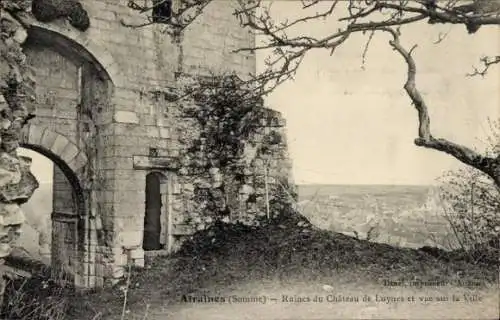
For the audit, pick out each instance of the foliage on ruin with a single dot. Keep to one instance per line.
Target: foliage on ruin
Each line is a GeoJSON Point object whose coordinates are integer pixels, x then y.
{"type": "Point", "coordinates": [230, 140]}
{"type": "Point", "coordinates": [228, 115]}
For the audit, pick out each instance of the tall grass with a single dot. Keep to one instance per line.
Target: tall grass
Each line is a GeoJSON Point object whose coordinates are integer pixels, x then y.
{"type": "Point", "coordinates": [35, 299]}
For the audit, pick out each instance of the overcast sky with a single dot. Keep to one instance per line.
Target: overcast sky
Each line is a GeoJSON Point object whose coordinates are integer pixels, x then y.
{"type": "Point", "coordinates": [352, 126]}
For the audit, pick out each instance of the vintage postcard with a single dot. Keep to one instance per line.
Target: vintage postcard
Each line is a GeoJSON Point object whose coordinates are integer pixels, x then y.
{"type": "Point", "coordinates": [249, 159]}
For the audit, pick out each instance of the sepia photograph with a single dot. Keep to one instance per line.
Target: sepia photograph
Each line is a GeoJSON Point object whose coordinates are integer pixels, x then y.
{"type": "Point", "coordinates": [249, 159]}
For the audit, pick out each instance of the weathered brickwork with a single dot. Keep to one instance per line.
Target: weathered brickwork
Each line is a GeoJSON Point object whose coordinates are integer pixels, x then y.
{"type": "Point", "coordinates": [103, 114]}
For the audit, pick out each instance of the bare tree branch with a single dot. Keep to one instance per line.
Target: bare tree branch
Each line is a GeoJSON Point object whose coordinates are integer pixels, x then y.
{"type": "Point", "coordinates": [442, 37]}
{"type": "Point", "coordinates": [363, 16]}
{"type": "Point", "coordinates": [371, 16]}
{"type": "Point", "coordinates": [425, 138]}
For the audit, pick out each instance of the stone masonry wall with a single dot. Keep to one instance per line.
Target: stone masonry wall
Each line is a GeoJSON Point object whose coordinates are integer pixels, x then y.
{"type": "Point", "coordinates": [243, 191]}
{"type": "Point", "coordinates": [149, 61]}
{"type": "Point", "coordinates": [68, 105]}
{"type": "Point", "coordinates": [207, 180]}
{"type": "Point", "coordinates": [106, 93]}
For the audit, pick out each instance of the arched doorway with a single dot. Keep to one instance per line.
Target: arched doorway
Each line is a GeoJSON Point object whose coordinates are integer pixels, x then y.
{"type": "Point", "coordinates": [154, 213]}
{"type": "Point", "coordinates": [74, 77]}
{"type": "Point", "coordinates": [54, 214]}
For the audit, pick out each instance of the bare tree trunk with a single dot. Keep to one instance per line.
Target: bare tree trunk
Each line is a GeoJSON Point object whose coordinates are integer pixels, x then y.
{"type": "Point", "coordinates": [488, 165]}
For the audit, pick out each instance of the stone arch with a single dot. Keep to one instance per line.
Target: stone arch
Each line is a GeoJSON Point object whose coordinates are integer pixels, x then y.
{"type": "Point", "coordinates": [54, 146]}
{"type": "Point", "coordinates": [62, 151]}
{"type": "Point", "coordinates": [82, 43]}
{"type": "Point", "coordinates": [68, 220]}
{"type": "Point", "coordinates": [88, 74]}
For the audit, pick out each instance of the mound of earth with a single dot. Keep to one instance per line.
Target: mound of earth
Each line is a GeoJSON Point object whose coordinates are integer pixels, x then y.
{"type": "Point", "coordinates": [293, 248]}
{"type": "Point", "coordinates": [289, 249]}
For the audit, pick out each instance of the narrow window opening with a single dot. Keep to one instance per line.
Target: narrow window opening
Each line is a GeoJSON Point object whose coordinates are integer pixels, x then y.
{"type": "Point", "coordinates": [152, 217]}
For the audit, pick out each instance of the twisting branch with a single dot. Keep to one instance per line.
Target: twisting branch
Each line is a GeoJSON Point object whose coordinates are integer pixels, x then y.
{"type": "Point", "coordinates": [287, 25]}
{"type": "Point", "coordinates": [363, 16]}
{"type": "Point", "coordinates": [425, 139]}
{"type": "Point", "coordinates": [368, 17]}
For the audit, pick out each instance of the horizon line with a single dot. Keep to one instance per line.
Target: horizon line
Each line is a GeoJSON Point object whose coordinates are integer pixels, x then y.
{"type": "Point", "coordinates": [366, 184]}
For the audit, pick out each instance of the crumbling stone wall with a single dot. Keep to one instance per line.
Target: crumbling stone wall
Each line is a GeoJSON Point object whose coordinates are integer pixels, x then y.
{"type": "Point", "coordinates": [17, 184]}
{"type": "Point", "coordinates": [63, 131]}
{"type": "Point", "coordinates": [116, 120]}
{"type": "Point", "coordinates": [233, 163]}
{"type": "Point", "coordinates": [150, 63]}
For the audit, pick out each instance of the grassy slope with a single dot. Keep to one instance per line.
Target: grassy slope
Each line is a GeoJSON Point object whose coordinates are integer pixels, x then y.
{"type": "Point", "coordinates": [224, 259]}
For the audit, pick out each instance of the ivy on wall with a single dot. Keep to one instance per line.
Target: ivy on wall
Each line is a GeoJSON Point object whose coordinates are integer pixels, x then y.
{"type": "Point", "coordinates": [226, 116]}
{"type": "Point", "coordinates": [232, 146]}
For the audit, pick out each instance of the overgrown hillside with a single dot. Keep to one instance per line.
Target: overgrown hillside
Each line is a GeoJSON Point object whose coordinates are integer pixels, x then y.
{"type": "Point", "coordinates": [229, 256]}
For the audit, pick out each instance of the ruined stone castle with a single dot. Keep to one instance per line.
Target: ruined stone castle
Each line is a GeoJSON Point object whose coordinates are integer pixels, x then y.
{"type": "Point", "coordinates": [106, 116]}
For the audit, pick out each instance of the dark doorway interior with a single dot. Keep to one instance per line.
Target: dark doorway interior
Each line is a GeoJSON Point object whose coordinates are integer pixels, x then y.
{"type": "Point", "coordinates": [152, 220]}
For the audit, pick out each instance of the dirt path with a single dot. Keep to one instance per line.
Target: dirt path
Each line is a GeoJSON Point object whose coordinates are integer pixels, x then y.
{"type": "Point", "coordinates": [245, 304]}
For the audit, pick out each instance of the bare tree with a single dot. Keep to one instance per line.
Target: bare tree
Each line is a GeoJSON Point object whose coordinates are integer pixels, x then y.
{"type": "Point", "coordinates": [362, 16]}
{"type": "Point", "coordinates": [375, 16]}
{"type": "Point", "coordinates": [368, 16]}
